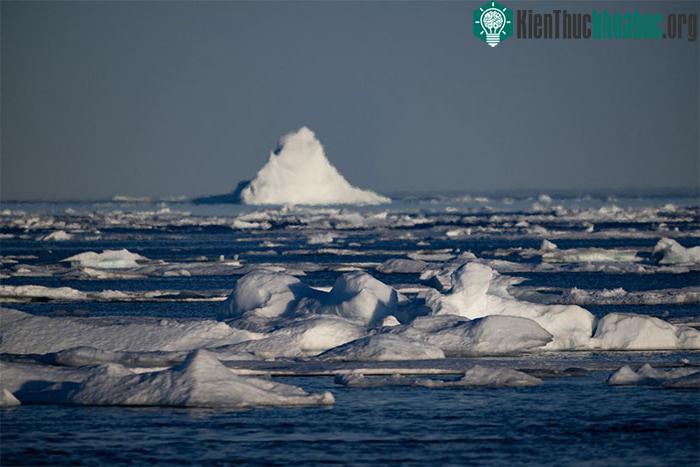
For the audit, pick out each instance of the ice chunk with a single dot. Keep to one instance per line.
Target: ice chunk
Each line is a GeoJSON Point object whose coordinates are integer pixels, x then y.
{"type": "Point", "coordinates": [320, 238]}
{"type": "Point", "coordinates": [38, 291]}
{"type": "Point", "coordinates": [547, 246]}
{"type": "Point", "coordinates": [359, 296]}
{"type": "Point", "coordinates": [24, 333]}
{"type": "Point", "coordinates": [301, 337]}
{"type": "Point", "coordinates": [589, 255]}
{"type": "Point", "coordinates": [477, 376]}
{"type": "Point", "coordinates": [383, 347]}
{"type": "Point", "coordinates": [670, 251]}
{"type": "Point", "coordinates": [468, 294]}
{"type": "Point", "coordinates": [402, 266]}
{"type": "Point", "coordinates": [200, 381]}
{"type": "Point", "coordinates": [487, 376]}
{"type": "Point", "coordinates": [491, 335]}
{"type": "Point", "coordinates": [618, 331]}
{"type": "Point", "coordinates": [266, 294]}
{"type": "Point", "coordinates": [692, 381]}
{"type": "Point", "coordinates": [475, 293]}
{"type": "Point", "coordinates": [56, 236]}
{"type": "Point", "coordinates": [298, 172]}
{"type": "Point", "coordinates": [647, 375]}
{"type": "Point", "coordinates": [7, 399]}
{"type": "Point", "coordinates": [108, 259]}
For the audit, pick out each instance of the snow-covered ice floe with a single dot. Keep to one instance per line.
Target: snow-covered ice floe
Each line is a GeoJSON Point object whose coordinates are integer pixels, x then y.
{"type": "Point", "coordinates": [476, 376]}
{"type": "Point", "coordinates": [271, 314]}
{"type": "Point", "coordinates": [199, 381]}
{"type": "Point", "coordinates": [680, 378]}
{"type": "Point", "coordinates": [108, 259]}
{"type": "Point", "coordinates": [669, 251]}
{"type": "Point", "coordinates": [298, 172]}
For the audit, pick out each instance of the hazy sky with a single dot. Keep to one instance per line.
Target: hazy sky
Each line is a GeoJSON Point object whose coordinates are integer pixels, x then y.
{"type": "Point", "coordinates": [160, 98]}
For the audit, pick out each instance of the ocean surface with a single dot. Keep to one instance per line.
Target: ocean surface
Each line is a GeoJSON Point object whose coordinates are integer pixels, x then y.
{"type": "Point", "coordinates": [197, 253]}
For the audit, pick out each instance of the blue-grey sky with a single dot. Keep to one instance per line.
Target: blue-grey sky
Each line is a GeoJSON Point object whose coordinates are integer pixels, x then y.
{"type": "Point", "coordinates": [180, 98]}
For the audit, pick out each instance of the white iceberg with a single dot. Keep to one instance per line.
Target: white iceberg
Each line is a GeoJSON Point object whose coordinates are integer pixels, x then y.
{"type": "Point", "coordinates": [298, 172]}
{"type": "Point", "coordinates": [670, 251]}
{"type": "Point", "coordinates": [108, 259]}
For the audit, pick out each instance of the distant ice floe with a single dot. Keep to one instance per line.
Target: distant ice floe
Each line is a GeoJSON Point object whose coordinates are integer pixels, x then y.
{"type": "Point", "coordinates": [476, 376]}
{"type": "Point", "coordinates": [108, 259]}
{"type": "Point", "coordinates": [299, 173]}
{"type": "Point", "coordinates": [552, 254]}
{"type": "Point", "coordinates": [678, 378]}
{"type": "Point", "coordinates": [56, 236]}
{"type": "Point", "coordinates": [669, 251]}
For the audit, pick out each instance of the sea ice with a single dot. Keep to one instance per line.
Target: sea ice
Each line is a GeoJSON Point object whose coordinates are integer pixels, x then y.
{"type": "Point", "coordinates": [383, 347]}
{"type": "Point", "coordinates": [490, 335]}
{"type": "Point", "coordinates": [23, 333]}
{"type": "Point", "coordinates": [108, 259]}
{"type": "Point", "coordinates": [670, 251]}
{"type": "Point", "coordinates": [622, 331]}
{"type": "Point", "coordinates": [476, 293]}
{"type": "Point", "coordinates": [647, 375]}
{"type": "Point", "coordinates": [199, 381]}
{"type": "Point", "coordinates": [56, 236]}
{"type": "Point", "coordinates": [298, 172]}
{"type": "Point", "coordinates": [265, 294]}
{"type": "Point", "coordinates": [487, 376]}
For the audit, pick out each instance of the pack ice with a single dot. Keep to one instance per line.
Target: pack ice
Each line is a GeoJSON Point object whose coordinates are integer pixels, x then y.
{"type": "Point", "coordinates": [201, 380]}
{"type": "Point", "coordinates": [298, 172]}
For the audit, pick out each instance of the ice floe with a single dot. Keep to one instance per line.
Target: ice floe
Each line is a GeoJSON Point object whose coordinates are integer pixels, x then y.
{"type": "Point", "coordinates": [669, 251]}
{"type": "Point", "coordinates": [199, 381]}
{"type": "Point", "coordinates": [383, 347]}
{"type": "Point", "coordinates": [23, 333]}
{"type": "Point", "coordinates": [476, 376]}
{"type": "Point", "coordinates": [108, 259]}
{"type": "Point", "coordinates": [622, 331]}
{"type": "Point", "coordinates": [684, 377]}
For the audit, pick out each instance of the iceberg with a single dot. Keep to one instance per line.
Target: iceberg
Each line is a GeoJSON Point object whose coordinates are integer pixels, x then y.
{"type": "Point", "coordinates": [298, 172]}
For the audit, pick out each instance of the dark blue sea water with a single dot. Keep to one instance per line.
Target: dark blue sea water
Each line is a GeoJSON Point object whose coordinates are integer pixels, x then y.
{"type": "Point", "coordinates": [568, 421]}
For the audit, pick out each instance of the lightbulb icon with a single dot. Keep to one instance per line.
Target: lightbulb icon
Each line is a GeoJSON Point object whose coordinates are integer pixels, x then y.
{"type": "Point", "coordinates": [492, 21]}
